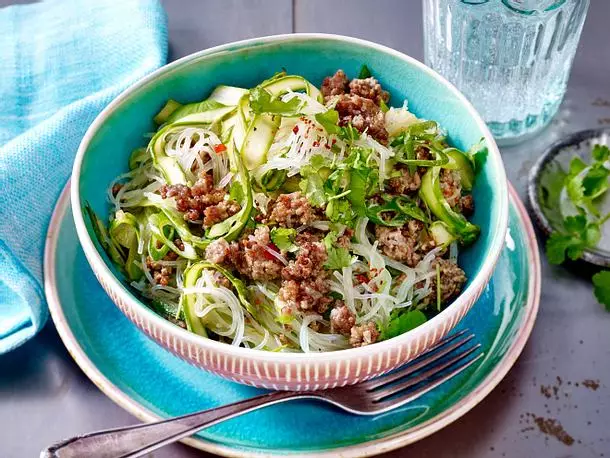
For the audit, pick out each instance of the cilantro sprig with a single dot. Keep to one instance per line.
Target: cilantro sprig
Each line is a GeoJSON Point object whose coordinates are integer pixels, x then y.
{"type": "Point", "coordinates": [583, 185]}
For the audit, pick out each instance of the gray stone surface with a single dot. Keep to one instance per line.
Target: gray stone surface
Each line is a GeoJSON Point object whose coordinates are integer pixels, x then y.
{"type": "Point", "coordinates": [44, 396]}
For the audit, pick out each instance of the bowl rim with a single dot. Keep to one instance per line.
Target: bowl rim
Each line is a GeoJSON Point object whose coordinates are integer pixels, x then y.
{"type": "Point", "coordinates": [99, 265]}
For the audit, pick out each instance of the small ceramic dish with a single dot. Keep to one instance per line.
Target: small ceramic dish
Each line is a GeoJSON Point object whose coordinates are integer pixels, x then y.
{"type": "Point", "coordinates": [545, 180]}
{"type": "Point", "coordinates": [119, 128]}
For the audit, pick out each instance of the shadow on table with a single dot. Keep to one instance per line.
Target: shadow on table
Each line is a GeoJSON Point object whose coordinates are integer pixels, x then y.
{"type": "Point", "coordinates": [40, 366]}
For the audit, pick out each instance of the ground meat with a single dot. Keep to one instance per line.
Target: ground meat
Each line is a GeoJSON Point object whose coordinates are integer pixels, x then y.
{"type": "Point", "coordinates": [363, 114]}
{"type": "Point", "coordinates": [364, 334]}
{"type": "Point", "coordinates": [406, 244]}
{"type": "Point", "coordinates": [305, 284]}
{"type": "Point", "coordinates": [307, 295]}
{"type": "Point", "coordinates": [451, 187]}
{"type": "Point", "coordinates": [250, 256]}
{"type": "Point", "coordinates": [309, 262]}
{"type": "Point", "coordinates": [406, 183]}
{"type": "Point", "coordinates": [162, 275]}
{"type": "Point", "coordinates": [369, 88]}
{"type": "Point", "coordinates": [334, 85]}
{"type": "Point", "coordinates": [290, 210]}
{"type": "Point", "coordinates": [217, 251]}
{"type": "Point", "coordinates": [179, 244]}
{"type": "Point", "coordinates": [467, 205]}
{"type": "Point", "coordinates": [345, 239]}
{"type": "Point", "coordinates": [341, 319]}
{"type": "Point", "coordinates": [219, 212]}
{"type": "Point", "coordinates": [308, 235]}
{"type": "Point", "coordinates": [192, 201]}
{"type": "Point", "coordinates": [452, 281]}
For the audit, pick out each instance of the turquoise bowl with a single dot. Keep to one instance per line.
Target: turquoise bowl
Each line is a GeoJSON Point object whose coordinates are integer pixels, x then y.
{"type": "Point", "coordinates": [122, 126]}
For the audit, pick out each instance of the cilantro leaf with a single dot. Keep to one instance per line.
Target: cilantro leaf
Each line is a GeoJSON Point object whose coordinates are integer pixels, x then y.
{"type": "Point", "coordinates": [329, 120]}
{"type": "Point", "coordinates": [338, 258]}
{"type": "Point", "coordinates": [402, 323]}
{"type": "Point", "coordinates": [577, 165]}
{"type": "Point", "coordinates": [313, 188]}
{"type": "Point", "coordinates": [601, 288]}
{"type": "Point", "coordinates": [576, 223]}
{"type": "Point", "coordinates": [283, 238]}
{"type": "Point", "coordinates": [578, 236]}
{"type": "Point", "coordinates": [364, 72]}
{"type": "Point", "coordinates": [595, 183]}
{"type": "Point", "coordinates": [261, 101]}
{"type": "Point", "coordinates": [600, 153]}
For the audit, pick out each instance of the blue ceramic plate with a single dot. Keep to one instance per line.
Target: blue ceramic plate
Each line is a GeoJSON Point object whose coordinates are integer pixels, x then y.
{"type": "Point", "coordinates": [145, 379]}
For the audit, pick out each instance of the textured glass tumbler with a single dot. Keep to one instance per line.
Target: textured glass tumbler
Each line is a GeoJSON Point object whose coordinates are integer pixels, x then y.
{"type": "Point", "coordinates": [511, 58]}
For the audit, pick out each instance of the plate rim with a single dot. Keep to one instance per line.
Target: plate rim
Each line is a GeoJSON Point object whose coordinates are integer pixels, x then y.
{"type": "Point", "coordinates": [364, 449]}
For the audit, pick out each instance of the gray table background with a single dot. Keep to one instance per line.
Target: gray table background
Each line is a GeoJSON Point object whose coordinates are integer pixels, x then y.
{"type": "Point", "coordinates": [45, 397]}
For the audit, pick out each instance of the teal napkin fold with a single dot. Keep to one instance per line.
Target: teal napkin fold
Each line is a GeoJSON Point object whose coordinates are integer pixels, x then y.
{"type": "Point", "coordinates": [61, 63]}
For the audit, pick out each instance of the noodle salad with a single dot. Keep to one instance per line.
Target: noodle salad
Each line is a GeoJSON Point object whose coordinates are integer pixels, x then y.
{"type": "Point", "coordinates": [290, 218]}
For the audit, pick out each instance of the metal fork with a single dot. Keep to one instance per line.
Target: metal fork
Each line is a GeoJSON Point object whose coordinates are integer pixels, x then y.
{"type": "Point", "coordinates": [397, 388]}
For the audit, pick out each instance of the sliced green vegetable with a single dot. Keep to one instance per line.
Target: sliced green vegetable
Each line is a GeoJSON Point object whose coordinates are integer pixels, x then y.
{"type": "Point", "coordinates": [184, 232]}
{"type": "Point", "coordinates": [101, 234]}
{"type": "Point", "coordinates": [396, 212]}
{"type": "Point", "coordinates": [170, 107]}
{"type": "Point", "coordinates": [206, 112]}
{"type": "Point", "coordinates": [259, 138]}
{"type": "Point", "coordinates": [124, 232]}
{"type": "Point", "coordinates": [272, 180]}
{"type": "Point", "coordinates": [230, 228]}
{"type": "Point", "coordinates": [168, 166]}
{"type": "Point", "coordinates": [137, 158]}
{"type": "Point", "coordinates": [192, 274]}
{"type": "Point", "coordinates": [432, 195]}
{"type": "Point", "coordinates": [460, 162]}
{"type": "Point", "coordinates": [441, 234]}
{"type": "Point", "coordinates": [227, 95]}
{"type": "Point", "coordinates": [123, 229]}
{"type": "Point", "coordinates": [162, 228]}
{"type": "Point", "coordinates": [294, 83]}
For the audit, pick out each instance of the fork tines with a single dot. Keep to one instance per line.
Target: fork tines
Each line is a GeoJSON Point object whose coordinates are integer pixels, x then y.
{"type": "Point", "coordinates": [443, 361]}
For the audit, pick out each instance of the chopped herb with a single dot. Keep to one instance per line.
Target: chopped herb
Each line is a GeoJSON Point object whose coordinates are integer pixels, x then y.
{"type": "Point", "coordinates": [601, 285]}
{"type": "Point", "coordinates": [338, 258]}
{"type": "Point", "coordinates": [364, 72]}
{"type": "Point", "coordinates": [579, 235]}
{"type": "Point", "coordinates": [261, 101]}
{"type": "Point", "coordinates": [283, 238]}
{"type": "Point", "coordinates": [583, 184]}
{"type": "Point", "coordinates": [403, 322]}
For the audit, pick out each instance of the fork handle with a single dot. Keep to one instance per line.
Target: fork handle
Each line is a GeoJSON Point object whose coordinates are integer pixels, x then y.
{"type": "Point", "coordinates": [134, 441]}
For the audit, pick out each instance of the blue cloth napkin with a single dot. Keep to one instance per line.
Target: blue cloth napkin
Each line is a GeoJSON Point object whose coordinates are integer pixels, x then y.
{"type": "Point", "coordinates": [61, 63]}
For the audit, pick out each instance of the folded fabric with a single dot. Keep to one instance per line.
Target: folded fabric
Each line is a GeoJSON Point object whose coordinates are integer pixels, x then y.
{"type": "Point", "coordinates": [61, 63]}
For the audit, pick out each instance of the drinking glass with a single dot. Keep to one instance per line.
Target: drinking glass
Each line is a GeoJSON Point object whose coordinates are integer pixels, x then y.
{"type": "Point", "coordinates": [511, 58]}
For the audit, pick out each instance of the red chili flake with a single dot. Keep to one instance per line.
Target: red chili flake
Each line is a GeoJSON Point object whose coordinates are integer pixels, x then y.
{"type": "Point", "coordinates": [362, 278]}
{"type": "Point", "coordinates": [218, 149]}
{"type": "Point", "coordinates": [334, 141]}
{"type": "Point", "coordinates": [295, 129]}
{"type": "Point", "coordinates": [316, 143]}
